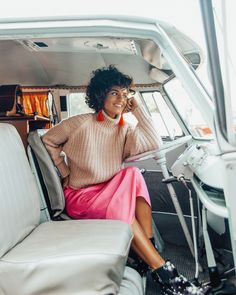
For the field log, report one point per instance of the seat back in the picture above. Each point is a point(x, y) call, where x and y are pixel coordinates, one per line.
point(19, 195)
point(50, 180)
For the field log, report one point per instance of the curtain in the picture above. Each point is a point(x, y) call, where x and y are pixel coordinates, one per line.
point(35, 103)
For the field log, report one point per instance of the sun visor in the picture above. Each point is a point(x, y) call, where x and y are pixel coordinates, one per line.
point(158, 75)
point(151, 53)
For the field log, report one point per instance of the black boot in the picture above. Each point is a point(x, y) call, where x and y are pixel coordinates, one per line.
point(174, 284)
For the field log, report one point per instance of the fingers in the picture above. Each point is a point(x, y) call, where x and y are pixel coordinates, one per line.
point(127, 107)
point(130, 105)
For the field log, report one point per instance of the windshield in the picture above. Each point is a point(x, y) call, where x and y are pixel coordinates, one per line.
point(187, 110)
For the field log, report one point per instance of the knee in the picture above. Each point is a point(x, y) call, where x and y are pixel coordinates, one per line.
point(134, 172)
point(133, 169)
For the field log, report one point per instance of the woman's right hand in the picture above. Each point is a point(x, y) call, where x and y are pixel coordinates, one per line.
point(65, 181)
point(131, 105)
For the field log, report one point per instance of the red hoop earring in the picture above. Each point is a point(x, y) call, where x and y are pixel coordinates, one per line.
point(100, 116)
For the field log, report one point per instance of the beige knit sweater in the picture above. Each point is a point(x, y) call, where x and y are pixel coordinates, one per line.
point(96, 150)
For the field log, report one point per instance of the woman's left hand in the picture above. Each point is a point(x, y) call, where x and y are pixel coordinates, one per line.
point(131, 105)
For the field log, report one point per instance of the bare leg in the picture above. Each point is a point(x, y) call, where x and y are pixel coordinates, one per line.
point(143, 213)
point(144, 248)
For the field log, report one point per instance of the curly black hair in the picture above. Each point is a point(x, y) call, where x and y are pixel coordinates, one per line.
point(101, 83)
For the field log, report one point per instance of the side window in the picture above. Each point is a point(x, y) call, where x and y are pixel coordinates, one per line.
point(189, 113)
point(164, 120)
point(76, 104)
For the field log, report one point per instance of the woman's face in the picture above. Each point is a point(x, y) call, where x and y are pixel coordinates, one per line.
point(115, 101)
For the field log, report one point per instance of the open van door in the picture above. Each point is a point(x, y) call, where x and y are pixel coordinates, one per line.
point(221, 69)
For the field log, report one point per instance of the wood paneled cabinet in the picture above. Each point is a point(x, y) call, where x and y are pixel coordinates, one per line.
point(25, 124)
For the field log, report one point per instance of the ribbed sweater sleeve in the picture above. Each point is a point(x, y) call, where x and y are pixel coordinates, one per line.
point(54, 140)
point(144, 137)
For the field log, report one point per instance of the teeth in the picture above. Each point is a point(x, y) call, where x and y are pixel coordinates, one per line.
point(118, 105)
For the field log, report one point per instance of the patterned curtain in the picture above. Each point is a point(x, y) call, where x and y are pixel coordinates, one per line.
point(35, 103)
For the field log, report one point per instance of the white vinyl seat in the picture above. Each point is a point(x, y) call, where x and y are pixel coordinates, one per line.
point(131, 283)
point(70, 257)
point(51, 192)
point(56, 257)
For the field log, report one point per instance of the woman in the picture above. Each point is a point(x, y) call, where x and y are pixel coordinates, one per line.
point(95, 183)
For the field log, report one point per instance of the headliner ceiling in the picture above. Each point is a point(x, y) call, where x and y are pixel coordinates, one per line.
point(70, 61)
point(25, 67)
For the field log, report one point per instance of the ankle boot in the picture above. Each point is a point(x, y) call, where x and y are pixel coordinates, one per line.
point(172, 283)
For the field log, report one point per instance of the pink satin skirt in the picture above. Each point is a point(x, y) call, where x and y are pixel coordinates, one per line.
point(113, 199)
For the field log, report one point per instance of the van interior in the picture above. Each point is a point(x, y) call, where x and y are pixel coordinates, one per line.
point(45, 66)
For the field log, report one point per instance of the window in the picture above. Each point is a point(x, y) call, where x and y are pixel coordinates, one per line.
point(164, 120)
point(187, 110)
point(77, 105)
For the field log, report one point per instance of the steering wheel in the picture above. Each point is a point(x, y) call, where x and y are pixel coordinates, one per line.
point(160, 152)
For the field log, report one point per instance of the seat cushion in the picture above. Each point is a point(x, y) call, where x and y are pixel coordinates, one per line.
point(132, 283)
point(68, 257)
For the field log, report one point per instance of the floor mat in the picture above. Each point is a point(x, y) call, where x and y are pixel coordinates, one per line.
point(185, 262)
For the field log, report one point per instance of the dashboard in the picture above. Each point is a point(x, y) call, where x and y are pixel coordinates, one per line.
point(203, 161)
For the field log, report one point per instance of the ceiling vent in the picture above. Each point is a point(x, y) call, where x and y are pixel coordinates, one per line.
point(41, 44)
